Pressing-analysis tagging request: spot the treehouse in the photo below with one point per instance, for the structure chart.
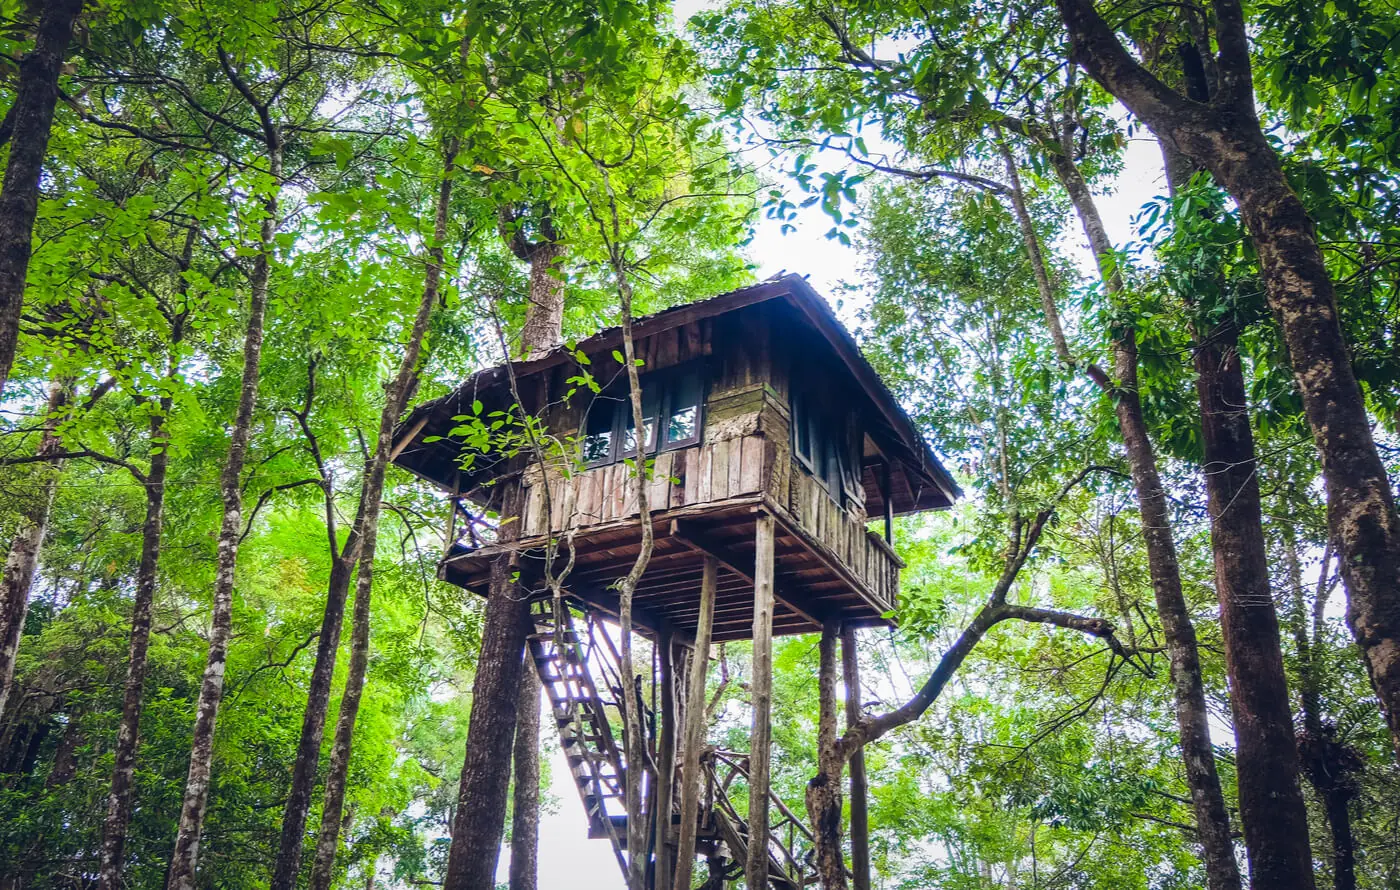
(757, 402)
(772, 448)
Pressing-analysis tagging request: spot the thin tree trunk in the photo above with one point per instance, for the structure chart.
(119, 798)
(761, 695)
(195, 800)
(23, 559)
(860, 804)
(1329, 765)
(525, 818)
(1193, 718)
(824, 789)
(328, 838)
(694, 738)
(1224, 136)
(32, 116)
(664, 789)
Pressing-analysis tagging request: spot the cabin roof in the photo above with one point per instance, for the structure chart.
(436, 461)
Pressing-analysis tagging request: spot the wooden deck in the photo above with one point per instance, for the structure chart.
(812, 580)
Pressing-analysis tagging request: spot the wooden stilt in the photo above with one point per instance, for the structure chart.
(694, 738)
(666, 759)
(860, 804)
(761, 693)
(824, 789)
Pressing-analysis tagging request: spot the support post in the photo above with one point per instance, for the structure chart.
(761, 686)
(860, 803)
(666, 758)
(694, 738)
(824, 789)
(887, 492)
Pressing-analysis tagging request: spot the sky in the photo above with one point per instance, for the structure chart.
(568, 859)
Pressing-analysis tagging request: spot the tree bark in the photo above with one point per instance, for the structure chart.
(32, 116)
(860, 804)
(195, 801)
(119, 798)
(372, 486)
(23, 558)
(1224, 136)
(482, 792)
(1193, 718)
(544, 313)
(694, 738)
(761, 696)
(1272, 810)
(525, 818)
(824, 788)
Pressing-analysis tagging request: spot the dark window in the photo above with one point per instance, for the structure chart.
(671, 401)
(827, 443)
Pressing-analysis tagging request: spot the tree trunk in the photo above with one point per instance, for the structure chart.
(824, 788)
(761, 694)
(481, 795)
(1272, 810)
(525, 818)
(694, 731)
(860, 805)
(32, 116)
(119, 798)
(1193, 718)
(544, 314)
(195, 800)
(372, 486)
(23, 560)
(482, 792)
(1224, 136)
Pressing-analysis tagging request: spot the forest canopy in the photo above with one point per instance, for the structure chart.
(248, 247)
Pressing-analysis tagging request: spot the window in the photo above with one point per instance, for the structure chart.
(827, 444)
(671, 404)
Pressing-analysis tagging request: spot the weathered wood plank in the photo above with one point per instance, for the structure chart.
(702, 488)
(736, 465)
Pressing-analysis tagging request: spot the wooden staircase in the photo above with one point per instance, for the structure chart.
(578, 666)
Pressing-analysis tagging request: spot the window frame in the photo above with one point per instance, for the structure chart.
(833, 459)
(666, 384)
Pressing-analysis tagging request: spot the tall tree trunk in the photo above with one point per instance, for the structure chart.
(396, 397)
(32, 116)
(195, 800)
(481, 795)
(1224, 136)
(1193, 718)
(525, 818)
(1272, 810)
(824, 788)
(119, 798)
(23, 559)
(482, 792)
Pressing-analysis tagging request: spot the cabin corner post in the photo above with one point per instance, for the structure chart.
(694, 737)
(756, 864)
(666, 757)
(860, 804)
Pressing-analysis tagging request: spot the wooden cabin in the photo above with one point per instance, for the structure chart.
(758, 402)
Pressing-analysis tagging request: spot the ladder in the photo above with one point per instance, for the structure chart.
(578, 666)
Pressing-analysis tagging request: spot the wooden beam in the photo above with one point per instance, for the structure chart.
(740, 564)
(694, 738)
(761, 694)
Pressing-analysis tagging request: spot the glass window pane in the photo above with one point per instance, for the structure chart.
(598, 434)
(683, 423)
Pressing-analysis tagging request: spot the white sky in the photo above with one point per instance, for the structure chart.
(568, 859)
